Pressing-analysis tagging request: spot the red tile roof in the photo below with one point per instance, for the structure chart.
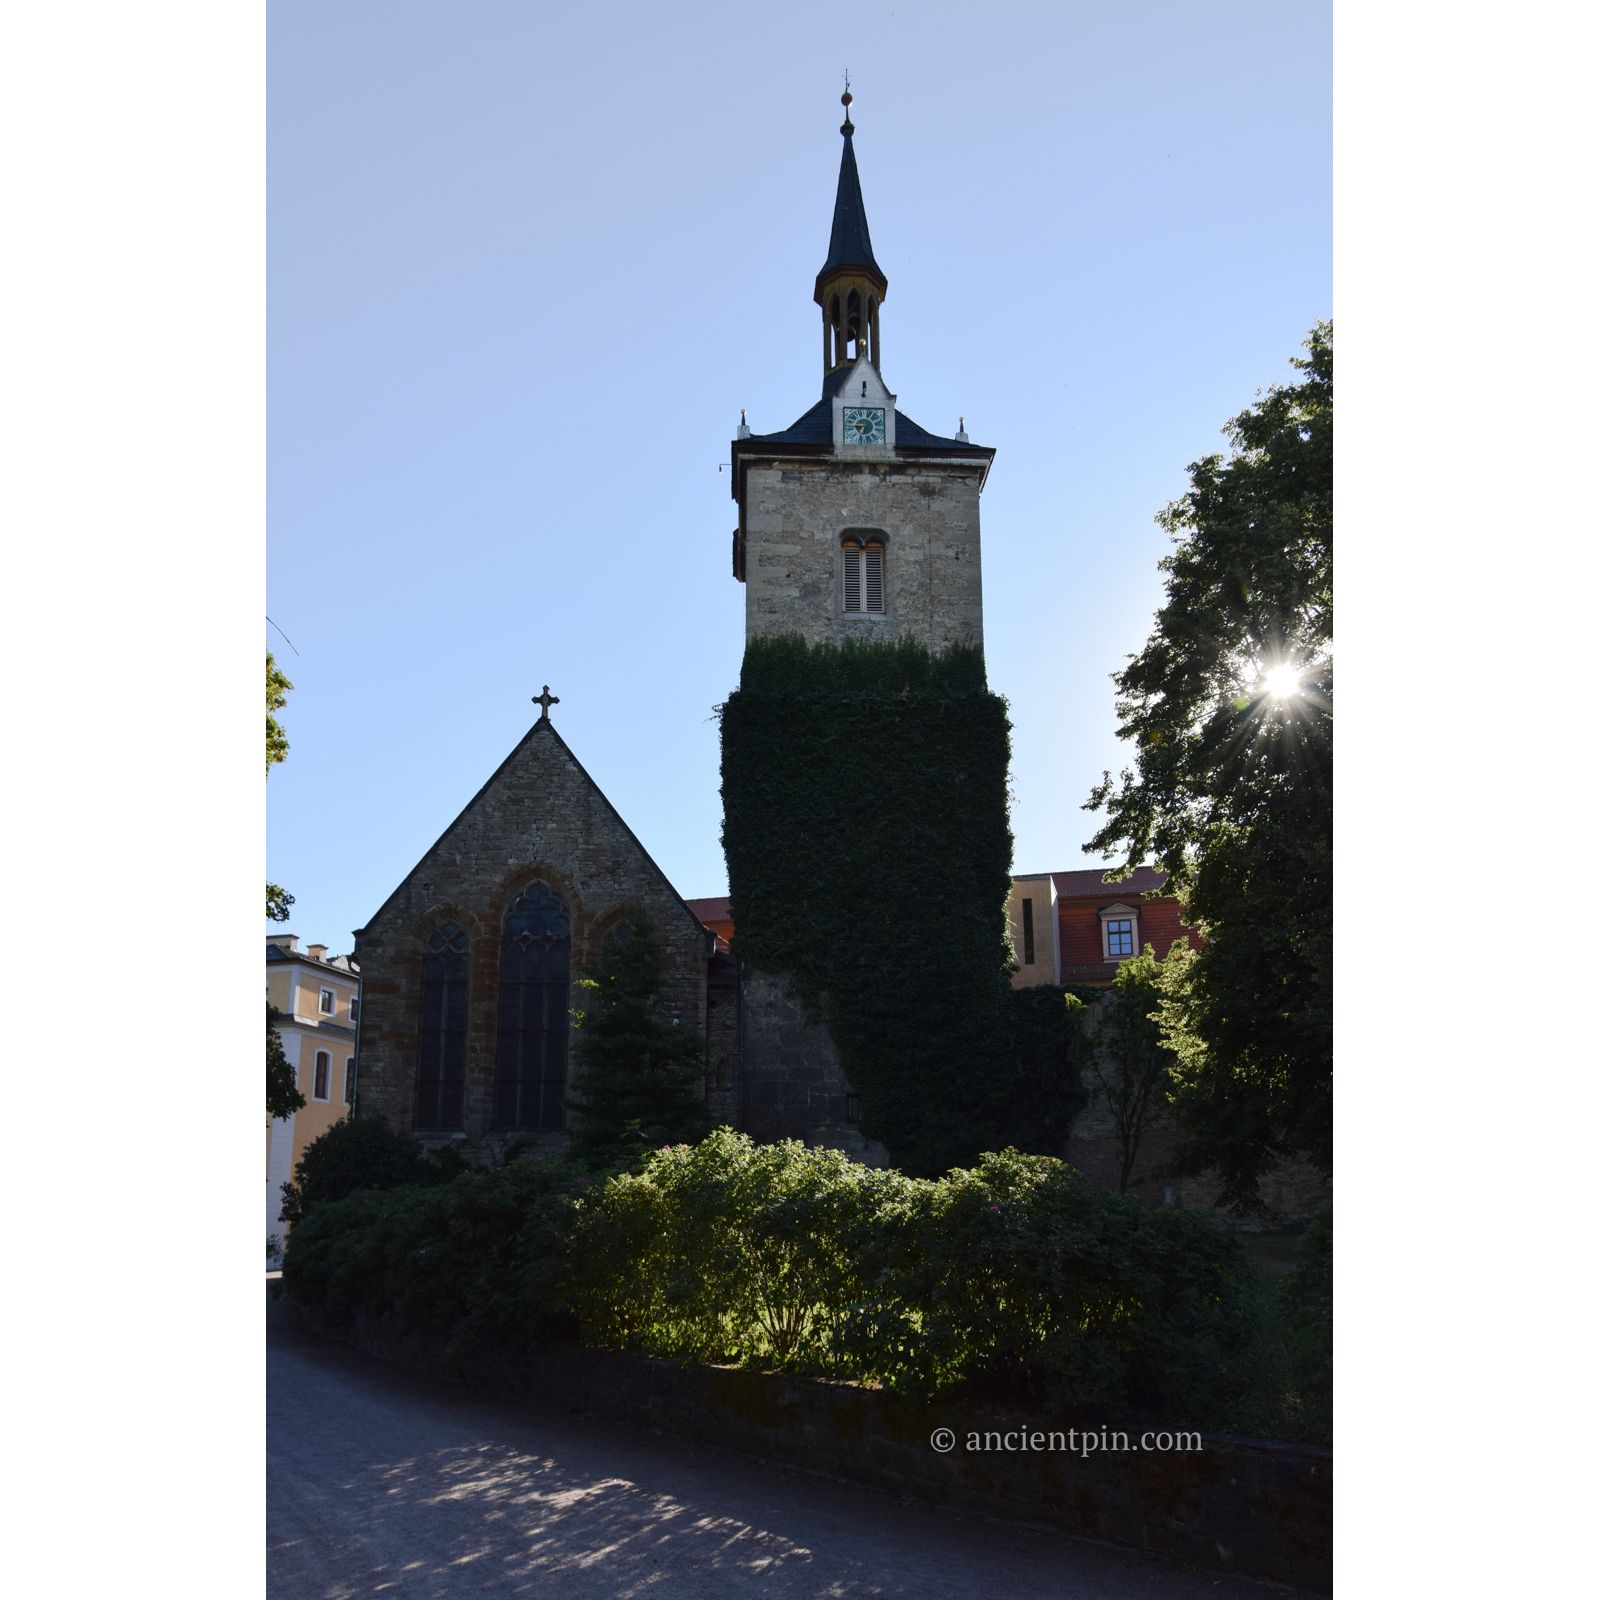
(712, 910)
(1089, 883)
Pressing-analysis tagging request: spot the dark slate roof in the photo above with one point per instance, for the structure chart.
(850, 244)
(816, 427)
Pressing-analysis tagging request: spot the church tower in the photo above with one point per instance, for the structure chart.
(855, 523)
(864, 763)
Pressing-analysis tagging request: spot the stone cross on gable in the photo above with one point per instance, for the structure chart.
(545, 701)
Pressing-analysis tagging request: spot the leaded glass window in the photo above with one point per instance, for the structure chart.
(530, 1084)
(442, 1051)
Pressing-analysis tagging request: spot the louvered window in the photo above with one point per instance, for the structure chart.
(530, 1081)
(863, 576)
(442, 1053)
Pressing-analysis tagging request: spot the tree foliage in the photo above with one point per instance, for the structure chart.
(357, 1153)
(278, 687)
(278, 898)
(1231, 787)
(283, 1098)
(282, 1095)
(642, 1077)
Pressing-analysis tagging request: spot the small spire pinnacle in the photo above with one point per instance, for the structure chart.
(744, 424)
(847, 127)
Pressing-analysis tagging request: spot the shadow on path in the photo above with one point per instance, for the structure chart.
(383, 1483)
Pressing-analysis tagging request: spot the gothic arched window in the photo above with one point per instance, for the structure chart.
(442, 1042)
(530, 1068)
(863, 574)
(612, 948)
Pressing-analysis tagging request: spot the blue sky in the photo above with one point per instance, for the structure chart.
(525, 267)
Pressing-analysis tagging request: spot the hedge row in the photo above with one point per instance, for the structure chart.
(1016, 1281)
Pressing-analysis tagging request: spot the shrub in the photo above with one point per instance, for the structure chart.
(472, 1266)
(730, 1250)
(1021, 1280)
(1306, 1323)
(356, 1153)
(1014, 1281)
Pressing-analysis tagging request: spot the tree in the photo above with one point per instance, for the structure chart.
(278, 687)
(1229, 709)
(283, 1097)
(1128, 1057)
(642, 1077)
(278, 898)
(357, 1153)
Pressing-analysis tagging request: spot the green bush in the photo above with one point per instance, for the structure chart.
(358, 1153)
(730, 1250)
(1021, 1280)
(474, 1266)
(1015, 1281)
(1305, 1320)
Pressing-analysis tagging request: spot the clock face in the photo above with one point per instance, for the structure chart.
(863, 425)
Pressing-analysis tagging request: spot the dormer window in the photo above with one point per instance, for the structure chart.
(862, 562)
(1119, 932)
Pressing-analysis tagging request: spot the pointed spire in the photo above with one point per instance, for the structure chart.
(851, 285)
(850, 244)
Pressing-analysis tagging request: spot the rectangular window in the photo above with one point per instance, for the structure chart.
(1119, 937)
(326, 1002)
(863, 576)
(319, 1077)
(355, 1009)
(349, 1080)
(1027, 933)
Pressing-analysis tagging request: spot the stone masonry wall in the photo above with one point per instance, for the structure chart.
(795, 514)
(794, 1087)
(722, 1043)
(540, 818)
(1292, 1192)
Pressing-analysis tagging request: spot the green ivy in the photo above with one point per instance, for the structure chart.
(864, 793)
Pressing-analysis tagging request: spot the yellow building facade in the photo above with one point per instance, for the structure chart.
(318, 999)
